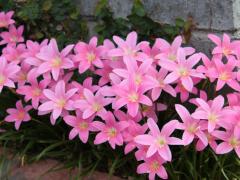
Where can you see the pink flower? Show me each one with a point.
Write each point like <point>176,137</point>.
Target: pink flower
<point>158,141</point>
<point>169,51</point>
<point>130,133</point>
<point>184,93</point>
<point>33,91</point>
<point>226,75</point>
<point>58,100</point>
<point>138,74</point>
<point>213,112</point>
<point>13,36</point>
<point>88,55</point>
<point>33,48</point>
<point>14,54</point>
<point>81,127</point>
<point>231,141</point>
<point>54,60</point>
<point>153,166</point>
<point>111,131</point>
<point>6,19</point>
<point>7,73</point>
<point>182,70</point>
<point>92,104</point>
<point>160,85</point>
<point>127,49</point>
<point>132,96</point>
<point>192,127</point>
<point>18,115</point>
<point>224,47</point>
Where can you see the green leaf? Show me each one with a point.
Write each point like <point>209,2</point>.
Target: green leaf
<point>47,5</point>
<point>138,8</point>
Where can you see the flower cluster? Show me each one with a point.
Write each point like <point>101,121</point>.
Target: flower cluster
<point>122,104</point>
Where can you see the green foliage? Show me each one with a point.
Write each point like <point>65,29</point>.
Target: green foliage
<point>138,21</point>
<point>48,19</point>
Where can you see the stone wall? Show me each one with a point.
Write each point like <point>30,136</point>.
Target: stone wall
<point>210,16</point>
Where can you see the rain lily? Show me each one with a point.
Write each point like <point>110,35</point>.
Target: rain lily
<point>231,141</point>
<point>18,115</point>
<point>92,104</point>
<point>192,127</point>
<point>182,70</point>
<point>111,131</point>
<point>13,36</point>
<point>132,96</point>
<point>7,73</point>
<point>6,19</point>
<point>88,55</point>
<point>53,60</point>
<point>213,112</point>
<point>224,47</point>
<point>158,141</point>
<point>57,100</point>
<point>81,127</point>
<point>153,166</point>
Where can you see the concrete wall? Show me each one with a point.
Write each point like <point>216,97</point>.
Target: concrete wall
<point>211,16</point>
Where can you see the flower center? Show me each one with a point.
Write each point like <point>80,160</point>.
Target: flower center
<point>234,142</point>
<point>183,71</point>
<point>56,62</point>
<point>83,126</point>
<point>161,83</point>
<point>161,141</point>
<point>91,57</point>
<point>172,57</point>
<point>133,97</point>
<point>96,107</point>
<point>192,128</point>
<point>212,117</point>
<point>13,39</point>
<point>224,76</point>
<point>112,132</point>
<point>154,166</point>
<point>36,92</point>
<point>61,103</point>
<point>129,52</point>
<point>138,79</point>
<point>23,76</point>
<point>20,115</point>
<point>2,79</point>
<point>226,51</point>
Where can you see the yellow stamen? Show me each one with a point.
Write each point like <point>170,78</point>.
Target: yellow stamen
<point>133,97</point>
<point>172,57</point>
<point>112,132</point>
<point>83,126</point>
<point>234,142</point>
<point>2,79</point>
<point>212,117</point>
<point>96,107</point>
<point>61,103</point>
<point>161,141</point>
<point>36,92</point>
<point>192,128</point>
<point>224,76</point>
<point>91,57</point>
<point>56,62</point>
<point>138,79</point>
<point>226,51</point>
<point>183,72</point>
<point>154,166</point>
